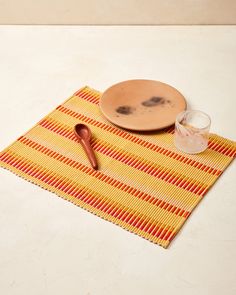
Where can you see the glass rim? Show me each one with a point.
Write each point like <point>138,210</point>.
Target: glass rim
<point>177,120</point>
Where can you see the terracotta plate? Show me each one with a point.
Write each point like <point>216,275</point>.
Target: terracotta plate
<point>142,104</point>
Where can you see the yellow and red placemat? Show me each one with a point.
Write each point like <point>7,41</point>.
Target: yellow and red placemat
<point>144,184</point>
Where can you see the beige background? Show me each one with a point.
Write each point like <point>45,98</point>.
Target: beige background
<point>118,12</point>
<point>49,246</point>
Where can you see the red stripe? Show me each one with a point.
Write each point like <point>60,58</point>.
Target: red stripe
<point>142,142</point>
<point>64,186</point>
<point>98,174</point>
<point>89,96</point>
<point>94,98</point>
<point>221,148</point>
<point>135,163</point>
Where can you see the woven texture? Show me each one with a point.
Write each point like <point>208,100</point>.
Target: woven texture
<point>144,184</point>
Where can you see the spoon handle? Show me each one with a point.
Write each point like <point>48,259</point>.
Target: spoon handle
<point>90,153</point>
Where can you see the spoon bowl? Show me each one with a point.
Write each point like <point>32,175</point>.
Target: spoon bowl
<point>83,132</point>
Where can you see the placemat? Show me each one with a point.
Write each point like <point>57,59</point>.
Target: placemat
<point>144,184</point>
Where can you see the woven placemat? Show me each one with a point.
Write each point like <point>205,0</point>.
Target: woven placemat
<point>144,184</point>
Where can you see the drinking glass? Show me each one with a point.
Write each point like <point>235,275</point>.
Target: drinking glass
<point>192,131</point>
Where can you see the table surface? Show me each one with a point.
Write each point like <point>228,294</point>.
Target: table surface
<point>50,246</point>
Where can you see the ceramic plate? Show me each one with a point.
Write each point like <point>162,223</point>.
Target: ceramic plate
<point>142,105</point>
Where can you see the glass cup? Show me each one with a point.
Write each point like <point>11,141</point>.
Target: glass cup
<point>192,131</point>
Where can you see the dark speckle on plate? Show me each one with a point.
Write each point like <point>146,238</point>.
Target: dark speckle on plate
<point>155,101</point>
<point>125,110</point>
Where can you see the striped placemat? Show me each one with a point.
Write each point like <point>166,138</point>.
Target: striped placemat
<point>144,184</point>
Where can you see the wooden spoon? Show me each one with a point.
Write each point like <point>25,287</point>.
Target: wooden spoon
<point>83,134</point>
